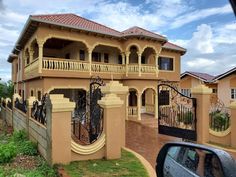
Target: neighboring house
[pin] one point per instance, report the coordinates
(226, 86)
(190, 80)
(59, 53)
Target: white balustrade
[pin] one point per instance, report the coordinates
(148, 69)
(108, 68)
(150, 108)
(133, 68)
(132, 110)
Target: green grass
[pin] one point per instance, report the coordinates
(127, 166)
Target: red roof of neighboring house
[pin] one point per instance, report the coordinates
(227, 73)
(170, 45)
(75, 21)
(202, 76)
(137, 31)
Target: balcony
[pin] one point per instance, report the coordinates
(70, 67)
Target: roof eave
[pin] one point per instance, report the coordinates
(140, 35)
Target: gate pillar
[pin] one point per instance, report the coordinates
(114, 122)
(202, 95)
(233, 123)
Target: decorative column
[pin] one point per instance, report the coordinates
(139, 63)
(114, 122)
(156, 63)
(90, 61)
(202, 95)
(127, 63)
(156, 105)
(138, 106)
(232, 107)
(123, 58)
(40, 45)
(31, 55)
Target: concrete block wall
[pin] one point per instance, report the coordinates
(38, 134)
(19, 120)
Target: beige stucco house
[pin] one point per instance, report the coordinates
(59, 53)
(223, 85)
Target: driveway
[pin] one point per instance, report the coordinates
(143, 138)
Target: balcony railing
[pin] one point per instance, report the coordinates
(64, 65)
(132, 111)
(150, 108)
(59, 64)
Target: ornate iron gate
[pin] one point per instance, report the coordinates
(176, 113)
(87, 121)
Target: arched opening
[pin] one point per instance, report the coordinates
(148, 101)
(148, 56)
(35, 49)
(133, 57)
(65, 49)
(106, 54)
(132, 102)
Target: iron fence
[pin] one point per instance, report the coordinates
(21, 105)
(9, 104)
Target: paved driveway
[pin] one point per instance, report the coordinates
(144, 139)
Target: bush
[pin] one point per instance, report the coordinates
(219, 120)
(7, 152)
(28, 148)
(19, 136)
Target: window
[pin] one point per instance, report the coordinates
(214, 90)
(82, 55)
(39, 95)
(67, 56)
(96, 57)
(165, 63)
(233, 93)
(164, 97)
(106, 58)
(31, 92)
(186, 92)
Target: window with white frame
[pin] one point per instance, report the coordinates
(233, 93)
(186, 92)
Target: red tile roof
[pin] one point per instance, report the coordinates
(202, 76)
(169, 45)
(75, 21)
(137, 31)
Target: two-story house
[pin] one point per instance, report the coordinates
(59, 53)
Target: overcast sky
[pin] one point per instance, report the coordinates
(206, 28)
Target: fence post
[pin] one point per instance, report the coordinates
(202, 95)
(59, 128)
(113, 121)
(233, 123)
(30, 102)
(122, 91)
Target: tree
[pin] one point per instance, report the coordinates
(6, 89)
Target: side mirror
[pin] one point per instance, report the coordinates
(178, 159)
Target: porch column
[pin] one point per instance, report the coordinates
(139, 63)
(127, 63)
(202, 95)
(233, 123)
(156, 64)
(123, 58)
(139, 106)
(156, 105)
(31, 55)
(40, 45)
(90, 61)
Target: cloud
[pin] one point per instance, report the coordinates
(200, 62)
(1, 5)
(200, 14)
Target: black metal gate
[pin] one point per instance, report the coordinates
(176, 113)
(87, 121)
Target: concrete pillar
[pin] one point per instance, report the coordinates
(40, 45)
(233, 123)
(139, 63)
(139, 99)
(127, 63)
(114, 120)
(31, 55)
(156, 105)
(59, 128)
(90, 61)
(202, 95)
(123, 58)
(30, 102)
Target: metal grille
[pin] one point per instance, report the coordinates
(87, 121)
(176, 113)
(21, 105)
